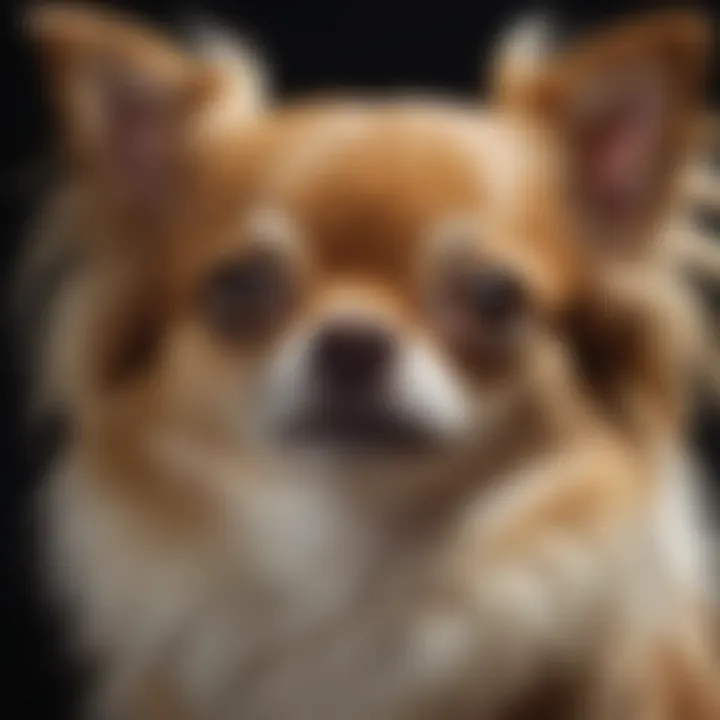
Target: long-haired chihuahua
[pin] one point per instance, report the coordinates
(365, 419)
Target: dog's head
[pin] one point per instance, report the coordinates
(393, 278)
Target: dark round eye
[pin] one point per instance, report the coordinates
(493, 296)
(245, 298)
(481, 309)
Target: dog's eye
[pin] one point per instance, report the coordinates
(480, 308)
(494, 297)
(245, 298)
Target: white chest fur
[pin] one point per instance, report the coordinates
(297, 606)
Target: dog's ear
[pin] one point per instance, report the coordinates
(623, 106)
(128, 100)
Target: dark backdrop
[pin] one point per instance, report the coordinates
(311, 44)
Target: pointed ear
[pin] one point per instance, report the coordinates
(624, 106)
(127, 99)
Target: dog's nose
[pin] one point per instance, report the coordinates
(353, 357)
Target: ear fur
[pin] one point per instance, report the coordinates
(241, 73)
(520, 57)
(130, 101)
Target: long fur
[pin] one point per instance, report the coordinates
(552, 558)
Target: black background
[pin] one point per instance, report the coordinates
(311, 44)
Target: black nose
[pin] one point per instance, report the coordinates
(352, 357)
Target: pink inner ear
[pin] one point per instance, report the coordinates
(140, 137)
(620, 153)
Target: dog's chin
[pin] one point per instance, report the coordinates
(370, 432)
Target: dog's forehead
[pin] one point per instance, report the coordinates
(381, 181)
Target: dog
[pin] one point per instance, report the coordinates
(369, 412)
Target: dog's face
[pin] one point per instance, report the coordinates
(387, 279)
(391, 284)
